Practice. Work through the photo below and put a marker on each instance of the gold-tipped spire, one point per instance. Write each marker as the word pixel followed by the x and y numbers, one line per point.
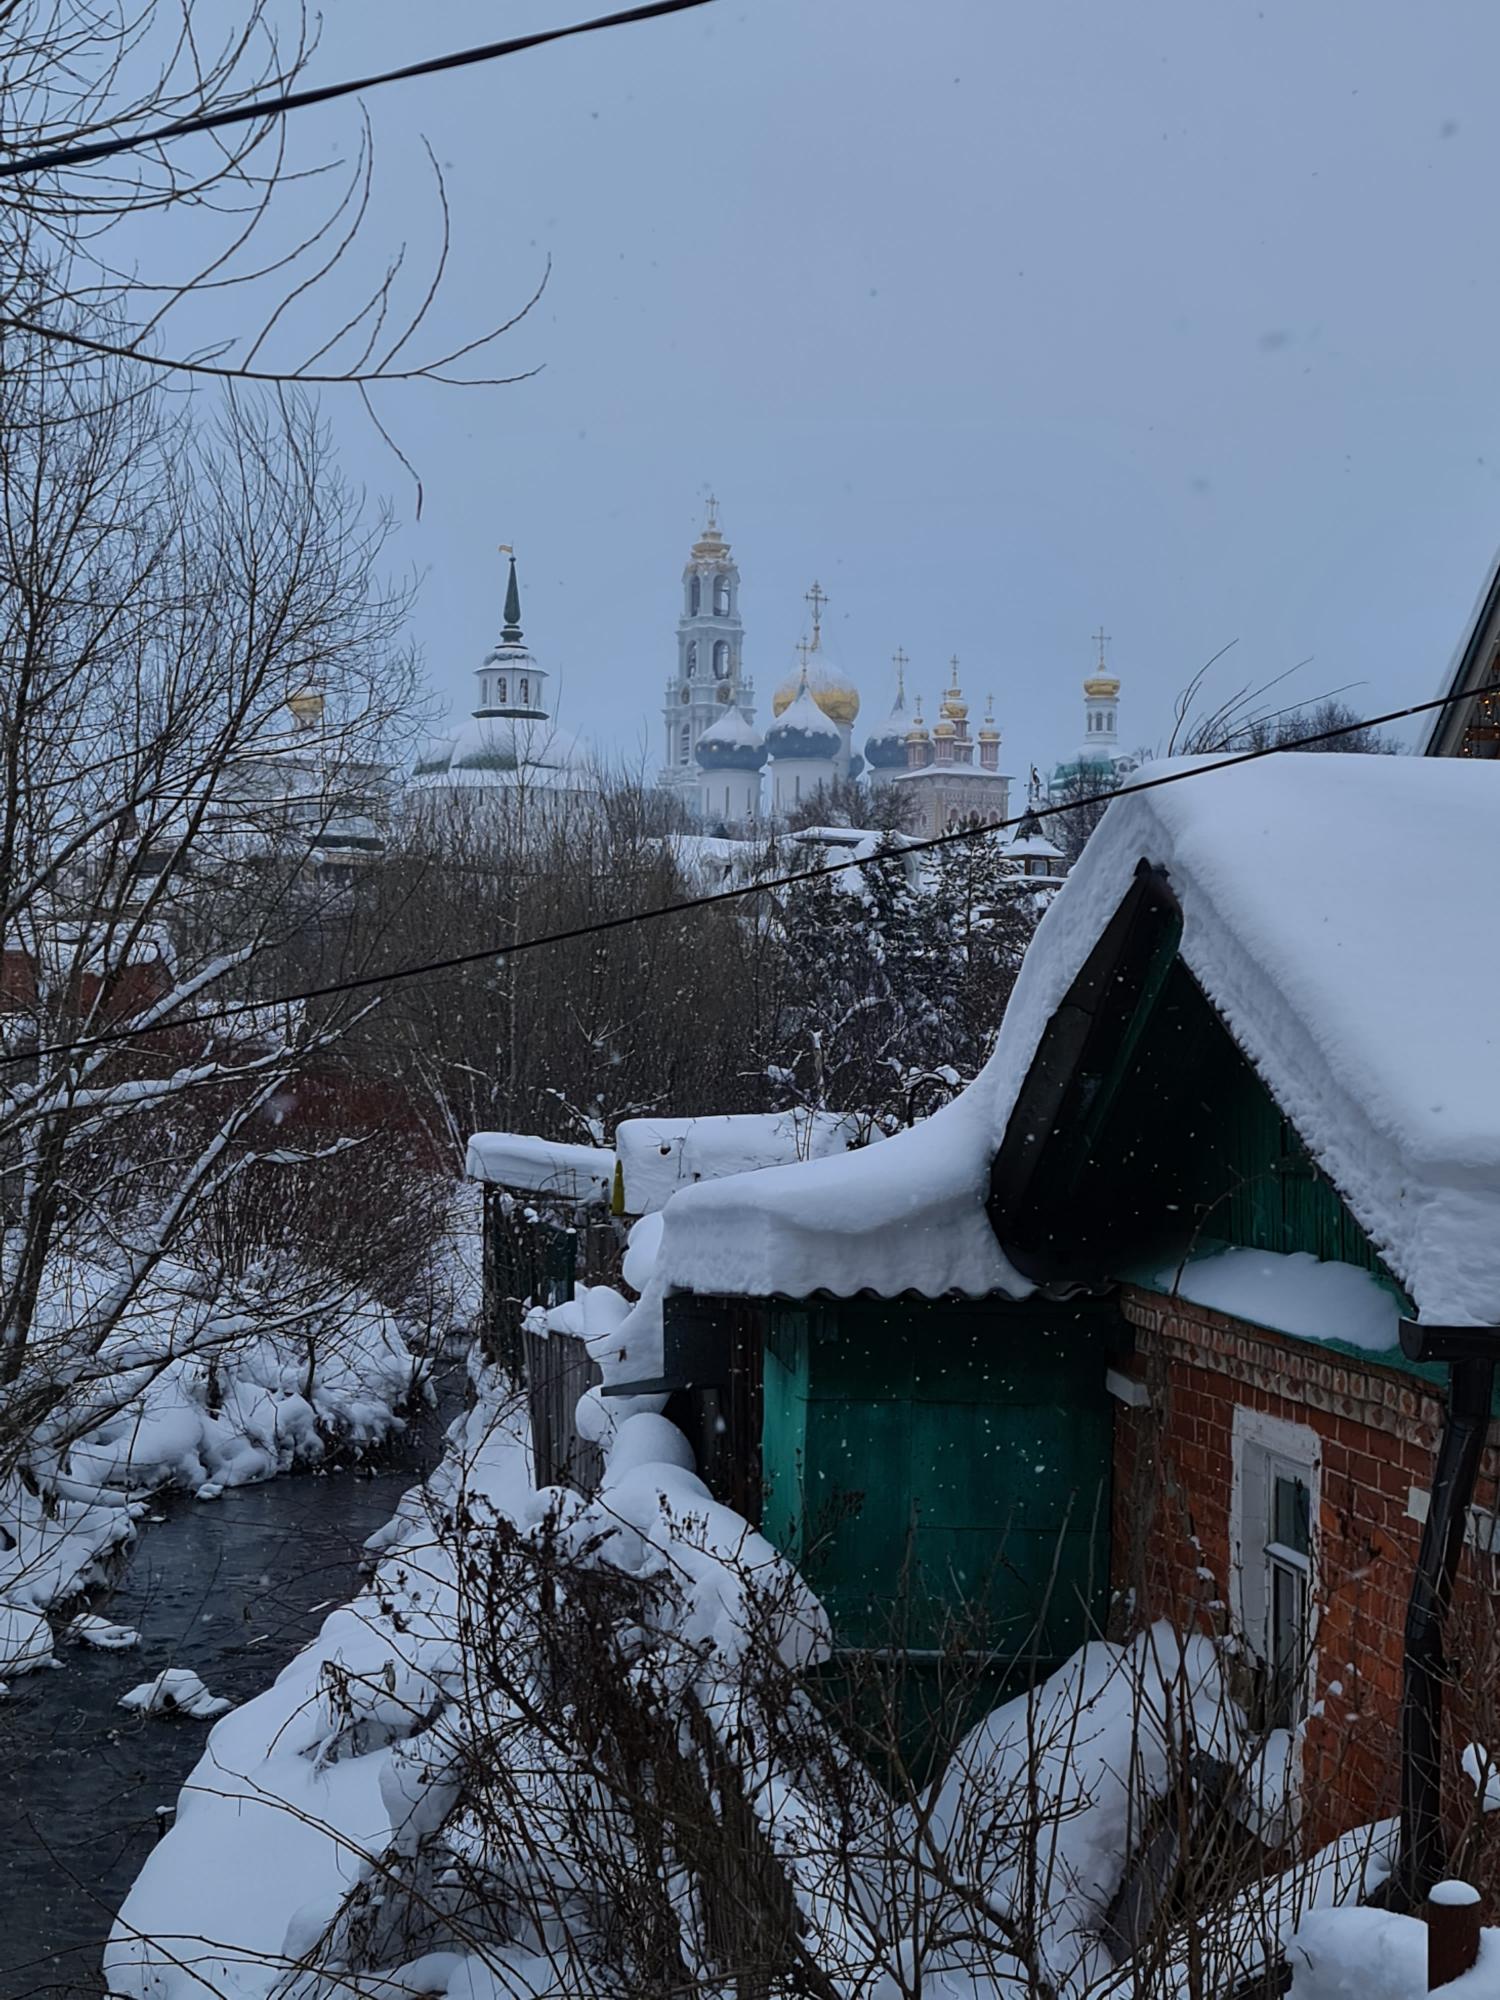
pixel 989 731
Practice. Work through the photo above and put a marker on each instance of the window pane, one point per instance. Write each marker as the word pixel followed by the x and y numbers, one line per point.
pixel 1291 1523
pixel 1288 1637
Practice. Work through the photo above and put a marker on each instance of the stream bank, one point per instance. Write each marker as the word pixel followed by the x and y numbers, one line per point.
pixel 231 1589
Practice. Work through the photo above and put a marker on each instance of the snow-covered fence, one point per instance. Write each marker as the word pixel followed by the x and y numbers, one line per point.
pixel 559 1370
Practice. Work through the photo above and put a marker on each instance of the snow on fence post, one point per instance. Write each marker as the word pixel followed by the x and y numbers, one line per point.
pixel 1452 1933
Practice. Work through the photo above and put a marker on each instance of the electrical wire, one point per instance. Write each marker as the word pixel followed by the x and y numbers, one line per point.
pixel 298 100
pixel 762 885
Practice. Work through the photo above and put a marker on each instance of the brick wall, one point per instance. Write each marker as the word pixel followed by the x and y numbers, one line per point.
pixel 1377 1429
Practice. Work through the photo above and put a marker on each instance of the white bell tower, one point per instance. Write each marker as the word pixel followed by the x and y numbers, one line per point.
pixel 710 676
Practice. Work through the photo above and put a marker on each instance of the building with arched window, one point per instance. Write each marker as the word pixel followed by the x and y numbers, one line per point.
pixel 709 687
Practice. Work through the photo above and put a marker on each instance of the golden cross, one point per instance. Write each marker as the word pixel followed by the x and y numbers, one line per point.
pixel 953 662
pixel 1101 640
pixel 817 598
pixel 713 511
pixel 900 662
pixel 802 651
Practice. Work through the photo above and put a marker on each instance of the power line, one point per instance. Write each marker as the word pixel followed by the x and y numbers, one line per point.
pixel 297 100
pixel 600 927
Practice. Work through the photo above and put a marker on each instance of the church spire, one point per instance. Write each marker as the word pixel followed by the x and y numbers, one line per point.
pixel 510 631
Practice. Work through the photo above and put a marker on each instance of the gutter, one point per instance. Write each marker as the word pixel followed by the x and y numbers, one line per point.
pixel 1471 1353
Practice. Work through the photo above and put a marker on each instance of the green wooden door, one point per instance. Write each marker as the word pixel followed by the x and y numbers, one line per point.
pixel 941 1469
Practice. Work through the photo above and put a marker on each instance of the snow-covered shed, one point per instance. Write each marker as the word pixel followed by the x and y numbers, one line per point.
pixel 546 1219
pixel 1245 1105
pixel 655 1157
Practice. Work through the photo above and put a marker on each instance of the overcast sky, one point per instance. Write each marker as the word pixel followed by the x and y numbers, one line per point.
pixel 1001 320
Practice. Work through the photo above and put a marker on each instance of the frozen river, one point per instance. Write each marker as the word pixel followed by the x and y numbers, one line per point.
pixel 231 1589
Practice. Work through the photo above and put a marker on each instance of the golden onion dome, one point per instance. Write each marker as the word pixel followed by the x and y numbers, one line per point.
pixel 918 731
pixel 1101 687
pixel 989 731
pixel 829 687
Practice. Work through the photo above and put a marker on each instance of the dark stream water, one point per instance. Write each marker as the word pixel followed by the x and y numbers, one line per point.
pixel 231 1589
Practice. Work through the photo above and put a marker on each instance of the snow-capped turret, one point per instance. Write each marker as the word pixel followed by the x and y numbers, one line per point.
pixel 730 753
pixel 808 751
pixel 802 732
pixel 885 746
pixel 733 743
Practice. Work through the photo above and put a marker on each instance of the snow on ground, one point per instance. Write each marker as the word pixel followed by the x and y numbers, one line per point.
pixel 340 1793
pixel 194 1391
pixel 1354 1954
pixel 349 1754
pixel 293 1793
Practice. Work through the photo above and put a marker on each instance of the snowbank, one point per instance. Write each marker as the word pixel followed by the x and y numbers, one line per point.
pixel 292 1798
pixel 194 1391
pixel 1354 1954
pixel 355 1754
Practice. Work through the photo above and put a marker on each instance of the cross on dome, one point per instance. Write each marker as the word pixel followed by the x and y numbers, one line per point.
pixel 817 597
pixel 1101 640
pixel 900 662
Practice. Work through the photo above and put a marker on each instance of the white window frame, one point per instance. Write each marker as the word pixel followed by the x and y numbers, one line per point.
pixel 1265 1447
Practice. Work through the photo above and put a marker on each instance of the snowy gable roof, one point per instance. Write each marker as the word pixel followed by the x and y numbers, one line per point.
pixel 1339 912
pixel 540 1166
pixel 657 1156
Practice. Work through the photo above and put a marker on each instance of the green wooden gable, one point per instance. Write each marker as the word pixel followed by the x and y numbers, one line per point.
pixel 1154 1130
pixel 940 1469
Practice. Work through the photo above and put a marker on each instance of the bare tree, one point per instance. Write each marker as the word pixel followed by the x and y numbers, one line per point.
pixel 201 673
pixel 279 284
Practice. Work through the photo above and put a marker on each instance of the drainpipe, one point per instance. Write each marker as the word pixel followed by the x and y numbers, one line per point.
pixel 1471 1353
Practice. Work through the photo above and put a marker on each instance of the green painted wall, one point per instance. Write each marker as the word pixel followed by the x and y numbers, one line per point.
pixel 939 1468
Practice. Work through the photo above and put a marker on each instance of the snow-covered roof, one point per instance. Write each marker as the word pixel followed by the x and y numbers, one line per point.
pixel 802 730
pixel 906 1215
pixel 541 1166
pixel 658 1156
pixel 734 728
pixel 1033 846
pixel 1339 912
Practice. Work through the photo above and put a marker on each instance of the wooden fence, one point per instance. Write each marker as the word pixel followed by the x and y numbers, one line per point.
pixel 559 1369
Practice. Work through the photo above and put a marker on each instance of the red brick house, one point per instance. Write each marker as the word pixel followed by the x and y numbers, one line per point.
pixel 1248 1090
